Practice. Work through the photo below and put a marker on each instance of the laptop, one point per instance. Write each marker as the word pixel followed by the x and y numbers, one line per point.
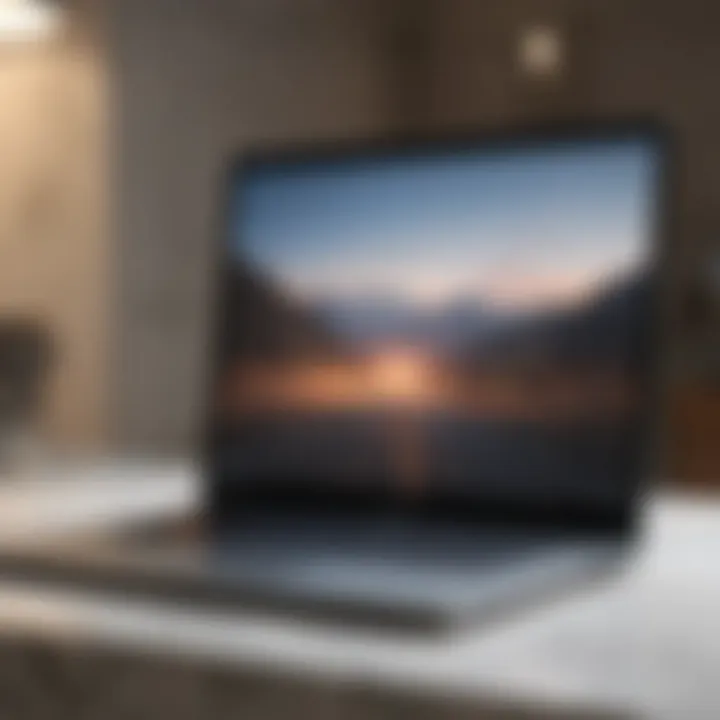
pixel 432 382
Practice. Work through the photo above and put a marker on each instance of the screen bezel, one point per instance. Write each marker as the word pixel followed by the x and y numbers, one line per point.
pixel 226 501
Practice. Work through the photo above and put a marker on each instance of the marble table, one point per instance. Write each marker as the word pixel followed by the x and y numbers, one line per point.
pixel 644 644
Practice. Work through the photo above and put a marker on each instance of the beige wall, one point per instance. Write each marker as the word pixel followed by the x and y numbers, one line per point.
pixel 53 240
pixel 142 102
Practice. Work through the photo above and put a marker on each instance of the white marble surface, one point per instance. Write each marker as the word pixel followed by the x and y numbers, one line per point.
pixel 647 641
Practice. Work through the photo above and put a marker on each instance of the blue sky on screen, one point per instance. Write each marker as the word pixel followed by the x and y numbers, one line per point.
pixel 523 226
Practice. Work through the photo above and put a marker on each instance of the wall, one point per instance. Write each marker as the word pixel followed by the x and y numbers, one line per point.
pixel 53 239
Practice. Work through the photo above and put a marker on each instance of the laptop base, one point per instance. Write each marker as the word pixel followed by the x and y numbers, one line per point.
pixel 394 573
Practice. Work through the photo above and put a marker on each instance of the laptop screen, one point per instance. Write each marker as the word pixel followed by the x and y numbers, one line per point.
pixel 460 327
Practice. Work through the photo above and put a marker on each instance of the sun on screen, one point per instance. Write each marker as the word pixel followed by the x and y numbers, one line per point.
pixel 401 374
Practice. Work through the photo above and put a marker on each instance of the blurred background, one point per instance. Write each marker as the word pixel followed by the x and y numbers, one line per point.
pixel 118 116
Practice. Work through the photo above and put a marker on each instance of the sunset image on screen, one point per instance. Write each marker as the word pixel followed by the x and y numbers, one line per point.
pixel 425 318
